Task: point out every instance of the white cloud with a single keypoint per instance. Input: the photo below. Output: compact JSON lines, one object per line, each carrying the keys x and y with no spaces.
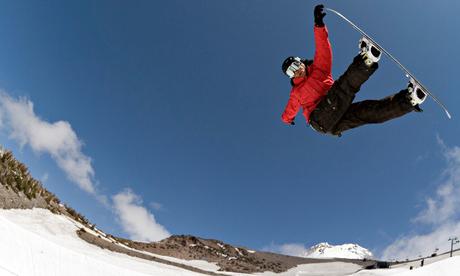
{"x":157,"y":206}
{"x":291,"y":249}
{"x":441,"y":213}
{"x":44,"y":178}
{"x":135,"y":219}
{"x":445,"y":205}
{"x":424,"y":244}
{"x":57,"y":139}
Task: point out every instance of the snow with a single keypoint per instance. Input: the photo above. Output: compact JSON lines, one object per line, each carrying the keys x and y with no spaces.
{"x":37,"y":242}
{"x":446,"y":267}
{"x":325,"y":269}
{"x":239,"y":252}
{"x":203,"y":265}
{"x":345,"y":251}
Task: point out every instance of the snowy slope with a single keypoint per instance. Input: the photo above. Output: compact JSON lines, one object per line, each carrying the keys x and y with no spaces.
{"x":446,"y":267}
{"x":346,"y":251}
{"x":37,"y":242}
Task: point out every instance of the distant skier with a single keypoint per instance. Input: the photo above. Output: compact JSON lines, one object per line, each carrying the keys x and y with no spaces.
{"x":327,"y":105}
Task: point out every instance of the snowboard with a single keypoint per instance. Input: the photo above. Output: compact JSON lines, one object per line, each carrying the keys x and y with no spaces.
{"x":412,"y":79}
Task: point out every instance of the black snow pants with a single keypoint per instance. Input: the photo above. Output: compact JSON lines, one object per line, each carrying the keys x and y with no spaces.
{"x":337,"y":113}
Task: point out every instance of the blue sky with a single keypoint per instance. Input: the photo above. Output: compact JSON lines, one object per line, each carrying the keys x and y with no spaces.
{"x":173,"y":113}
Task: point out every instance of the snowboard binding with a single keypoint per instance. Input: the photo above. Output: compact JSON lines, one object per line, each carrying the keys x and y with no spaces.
{"x":416,"y":94}
{"x":369,"y":51}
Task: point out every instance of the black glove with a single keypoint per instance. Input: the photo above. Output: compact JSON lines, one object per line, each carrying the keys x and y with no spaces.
{"x":319,"y":15}
{"x":292,"y":123}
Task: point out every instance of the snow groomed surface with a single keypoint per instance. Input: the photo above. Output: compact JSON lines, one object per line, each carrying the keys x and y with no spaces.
{"x":38,"y":242}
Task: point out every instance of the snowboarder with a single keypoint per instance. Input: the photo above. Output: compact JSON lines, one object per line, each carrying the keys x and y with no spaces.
{"x":327,"y":104}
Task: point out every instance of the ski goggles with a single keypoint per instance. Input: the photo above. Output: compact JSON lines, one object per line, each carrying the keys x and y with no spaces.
{"x":295,"y":65}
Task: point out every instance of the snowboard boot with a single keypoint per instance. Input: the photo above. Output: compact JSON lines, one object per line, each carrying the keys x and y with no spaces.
{"x":369,"y":52}
{"x":416,"y":95}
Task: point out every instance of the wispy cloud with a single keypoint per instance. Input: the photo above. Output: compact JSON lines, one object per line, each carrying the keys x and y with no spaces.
{"x":445,"y":205}
{"x":291,"y":249}
{"x":441,"y":213}
{"x":135,"y":219}
{"x":44,"y":178}
{"x":412,"y":246}
{"x":156,"y":206}
{"x":57,"y":139}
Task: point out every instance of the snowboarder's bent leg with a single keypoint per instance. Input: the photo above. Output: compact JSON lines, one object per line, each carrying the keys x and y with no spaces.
{"x":342,"y":93}
{"x":355,"y":75}
{"x":374,"y":111}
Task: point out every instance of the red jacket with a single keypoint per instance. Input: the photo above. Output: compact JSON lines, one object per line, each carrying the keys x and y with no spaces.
{"x":310,"y":90}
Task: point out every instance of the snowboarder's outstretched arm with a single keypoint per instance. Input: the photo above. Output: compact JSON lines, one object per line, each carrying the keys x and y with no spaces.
{"x":323,"y":52}
{"x":291,"y":109}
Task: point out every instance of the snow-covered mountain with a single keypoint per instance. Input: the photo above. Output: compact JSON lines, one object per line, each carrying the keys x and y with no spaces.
{"x":345,"y":251}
